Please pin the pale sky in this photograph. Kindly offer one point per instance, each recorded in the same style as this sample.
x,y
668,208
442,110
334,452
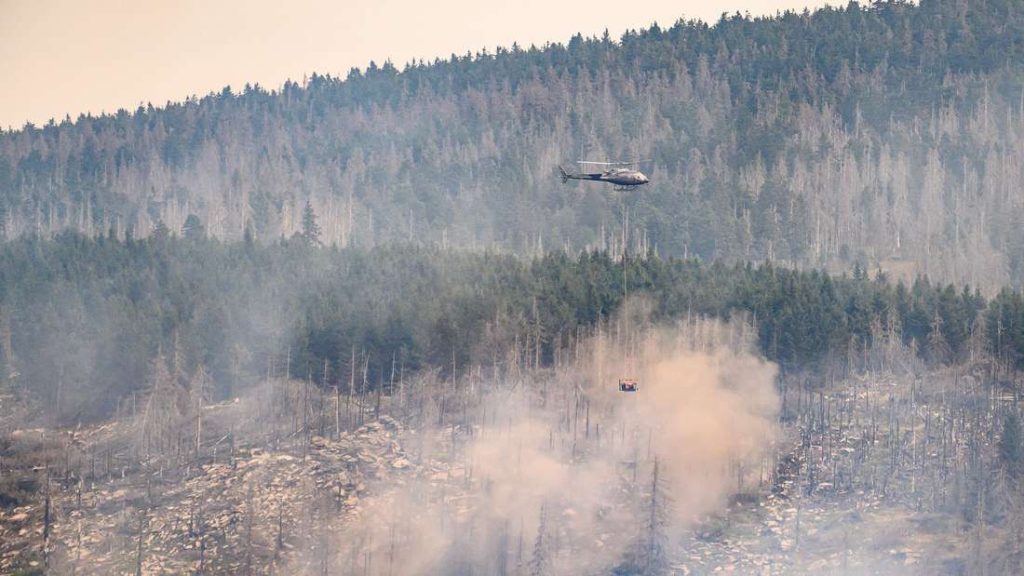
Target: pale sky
x,y
62,57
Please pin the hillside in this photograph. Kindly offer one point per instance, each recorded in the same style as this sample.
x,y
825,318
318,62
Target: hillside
x,y
511,469
889,134
87,324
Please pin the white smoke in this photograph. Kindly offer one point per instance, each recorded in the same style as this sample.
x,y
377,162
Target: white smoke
x,y
568,446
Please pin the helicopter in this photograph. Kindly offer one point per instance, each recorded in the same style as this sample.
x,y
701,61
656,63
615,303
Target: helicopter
x,y
618,174
624,176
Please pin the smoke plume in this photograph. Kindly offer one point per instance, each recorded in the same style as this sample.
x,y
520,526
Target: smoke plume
x,y
552,472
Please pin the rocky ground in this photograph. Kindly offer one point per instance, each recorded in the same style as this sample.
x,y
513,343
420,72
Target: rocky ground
x,y
244,508
782,534
72,501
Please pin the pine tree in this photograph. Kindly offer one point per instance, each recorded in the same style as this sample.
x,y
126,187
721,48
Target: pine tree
x,y
161,232
310,229
653,559
647,555
1011,450
193,228
248,239
539,560
938,348
160,411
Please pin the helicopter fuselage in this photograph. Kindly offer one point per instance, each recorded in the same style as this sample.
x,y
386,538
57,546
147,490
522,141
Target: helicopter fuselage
x,y
617,176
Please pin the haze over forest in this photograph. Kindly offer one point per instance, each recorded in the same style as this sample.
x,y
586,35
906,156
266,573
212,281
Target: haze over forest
x,y
359,326
885,134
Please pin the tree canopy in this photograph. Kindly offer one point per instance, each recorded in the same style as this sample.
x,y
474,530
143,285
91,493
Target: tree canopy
x,y
887,133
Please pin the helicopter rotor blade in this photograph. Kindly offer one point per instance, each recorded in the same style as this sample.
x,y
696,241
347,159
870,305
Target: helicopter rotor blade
x,y
631,163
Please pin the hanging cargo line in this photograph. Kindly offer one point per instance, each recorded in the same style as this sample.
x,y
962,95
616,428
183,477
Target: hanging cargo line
x,y
627,383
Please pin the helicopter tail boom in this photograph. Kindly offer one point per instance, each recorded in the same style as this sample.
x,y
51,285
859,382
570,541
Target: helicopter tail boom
x,y
566,176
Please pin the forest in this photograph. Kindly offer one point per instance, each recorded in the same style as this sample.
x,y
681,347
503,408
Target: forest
x,y
181,403
355,324
887,133
83,318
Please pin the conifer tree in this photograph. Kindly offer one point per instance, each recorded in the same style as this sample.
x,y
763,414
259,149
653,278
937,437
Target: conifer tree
x,y
310,229
539,561
193,228
1011,450
656,521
